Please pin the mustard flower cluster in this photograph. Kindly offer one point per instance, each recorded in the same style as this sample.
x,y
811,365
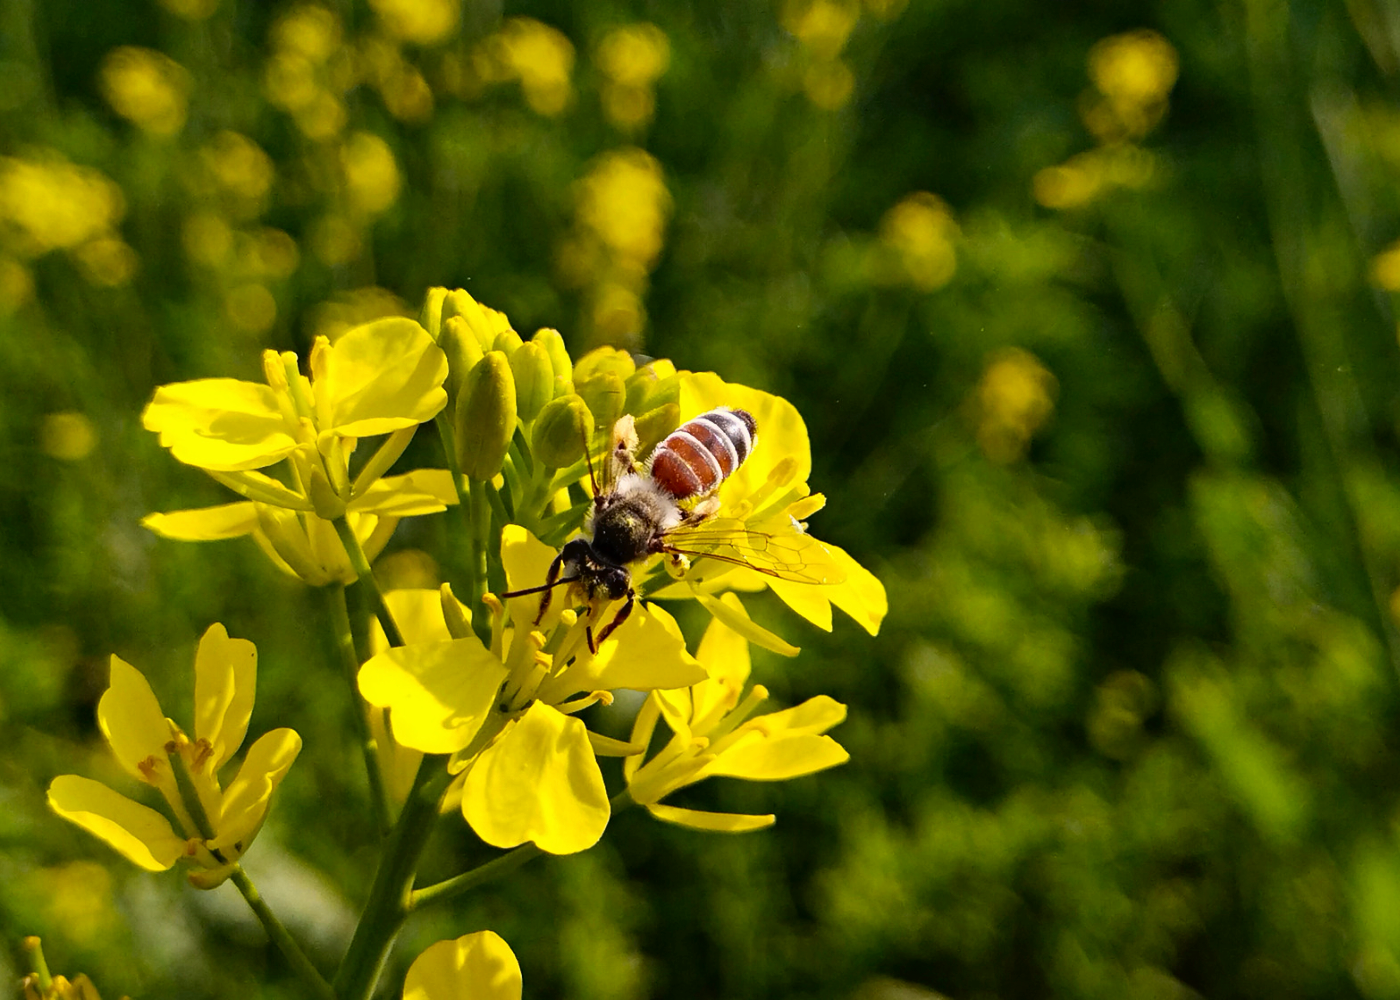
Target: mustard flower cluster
x,y
475,706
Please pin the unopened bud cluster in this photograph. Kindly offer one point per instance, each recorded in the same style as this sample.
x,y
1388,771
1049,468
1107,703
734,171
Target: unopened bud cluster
x,y
500,383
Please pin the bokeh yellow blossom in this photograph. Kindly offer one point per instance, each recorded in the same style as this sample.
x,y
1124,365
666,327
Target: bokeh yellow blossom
x,y
68,435
1133,74
921,232
48,204
422,22
371,174
631,59
1014,399
145,87
539,56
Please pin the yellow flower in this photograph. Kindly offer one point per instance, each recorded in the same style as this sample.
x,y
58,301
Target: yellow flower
x,y
304,545
477,966
769,495
715,735
538,778
384,377
146,87
217,824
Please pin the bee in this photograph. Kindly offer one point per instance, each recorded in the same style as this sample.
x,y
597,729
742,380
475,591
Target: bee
x,y
659,508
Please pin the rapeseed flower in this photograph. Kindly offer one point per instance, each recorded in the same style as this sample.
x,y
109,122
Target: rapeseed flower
x,y
507,712
216,825
717,735
383,377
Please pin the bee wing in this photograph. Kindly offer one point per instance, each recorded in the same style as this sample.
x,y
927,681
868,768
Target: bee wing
x,y
786,554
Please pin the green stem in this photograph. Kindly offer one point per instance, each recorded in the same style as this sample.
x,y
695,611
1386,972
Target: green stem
x,y
350,661
387,905
458,885
295,957
469,880
360,564
476,576
481,546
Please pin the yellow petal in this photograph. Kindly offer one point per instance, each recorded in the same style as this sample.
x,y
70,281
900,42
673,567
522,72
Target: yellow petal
x,y
423,491
782,434
478,966
862,595
815,715
712,821
777,759
540,782
206,524
381,377
811,602
438,693
526,560
225,675
247,798
646,652
417,612
219,423
741,623
724,654
130,717
141,835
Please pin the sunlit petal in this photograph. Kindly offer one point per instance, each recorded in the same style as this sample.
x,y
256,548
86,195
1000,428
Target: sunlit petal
x,y
711,821
777,759
225,676
221,424
141,835
205,524
526,560
246,800
438,693
478,966
130,717
381,377
539,783
646,652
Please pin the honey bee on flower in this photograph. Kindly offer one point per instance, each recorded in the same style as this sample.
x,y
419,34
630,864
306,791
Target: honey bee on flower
x,y
668,506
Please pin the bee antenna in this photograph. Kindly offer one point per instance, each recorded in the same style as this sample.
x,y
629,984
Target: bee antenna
x,y
588,457
540,589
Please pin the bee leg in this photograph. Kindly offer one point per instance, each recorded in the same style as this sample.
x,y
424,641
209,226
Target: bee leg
x,y
588,633
549,580
620,617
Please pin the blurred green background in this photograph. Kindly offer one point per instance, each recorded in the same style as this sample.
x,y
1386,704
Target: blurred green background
x,y
1089,309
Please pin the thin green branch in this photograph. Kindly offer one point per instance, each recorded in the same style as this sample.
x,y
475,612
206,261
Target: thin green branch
x,y
350,663
360,565
457,885
286,944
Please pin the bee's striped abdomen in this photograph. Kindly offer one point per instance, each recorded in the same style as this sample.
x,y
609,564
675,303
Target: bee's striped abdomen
x,y
703,452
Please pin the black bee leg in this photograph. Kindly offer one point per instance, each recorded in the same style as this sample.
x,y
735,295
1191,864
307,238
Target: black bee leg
x,y
620,617
549,581
588,633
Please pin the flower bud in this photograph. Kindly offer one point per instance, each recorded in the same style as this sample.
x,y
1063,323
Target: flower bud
x,y
327,503
553,343
430,318
483,321
455,614
485,416
639,385
655,424
604,359
562,430
463,351
605,395
507,342
534,380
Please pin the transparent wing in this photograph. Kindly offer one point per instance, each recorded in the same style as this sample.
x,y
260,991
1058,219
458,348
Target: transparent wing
x,y
789,554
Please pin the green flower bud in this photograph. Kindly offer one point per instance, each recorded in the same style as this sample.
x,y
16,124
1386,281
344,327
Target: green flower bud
x,y
668,390
457,616
604,359
463,351
639,385
327,503
507,342
553,343
485,416
534,380
562,431
430,318
655,424
605,395
484,321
